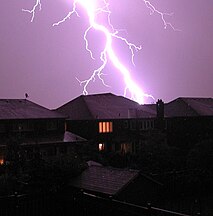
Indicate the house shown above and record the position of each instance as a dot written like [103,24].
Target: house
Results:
[114,123]
[189,121]
[30,121]
[34,127]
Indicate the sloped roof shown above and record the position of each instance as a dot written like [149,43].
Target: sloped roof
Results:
[105,180]
[110,106]
[71,137]
[98,106]
[147,111]
[25,109]
[183,106]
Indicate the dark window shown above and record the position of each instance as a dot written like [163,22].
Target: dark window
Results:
[51,125]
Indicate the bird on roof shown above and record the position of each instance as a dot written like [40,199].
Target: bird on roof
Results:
[26,95]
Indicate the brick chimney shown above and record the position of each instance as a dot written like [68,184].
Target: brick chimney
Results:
[160,109]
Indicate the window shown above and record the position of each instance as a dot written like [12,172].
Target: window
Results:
[51,125]
[133,125]
[101,147]
[1,159]
[105,127]
[2,128]
[23,126]
[126,125]
[152,124]
[126,148]
[141,125]
[147,124]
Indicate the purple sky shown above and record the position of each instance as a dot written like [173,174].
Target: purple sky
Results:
[43,60]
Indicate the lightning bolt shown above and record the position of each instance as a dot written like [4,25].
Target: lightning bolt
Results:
[93,8]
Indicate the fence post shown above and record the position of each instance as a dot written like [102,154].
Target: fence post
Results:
[149,208]
[16,203]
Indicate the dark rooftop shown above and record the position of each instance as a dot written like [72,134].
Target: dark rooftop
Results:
[105,180]
[102,106]
[110,106]
[183,106]
[25,109]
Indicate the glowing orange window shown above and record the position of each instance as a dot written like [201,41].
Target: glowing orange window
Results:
[105,127]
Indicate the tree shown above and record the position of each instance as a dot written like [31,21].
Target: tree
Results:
[201,156]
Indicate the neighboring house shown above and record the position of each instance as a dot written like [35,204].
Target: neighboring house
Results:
[114,123]
[189,121]
[29,121]
[35,127]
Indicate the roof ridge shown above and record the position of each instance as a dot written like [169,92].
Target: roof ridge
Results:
[195,111]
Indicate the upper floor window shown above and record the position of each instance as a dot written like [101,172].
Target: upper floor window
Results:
[105,127]
[51,125]
[133,125]
[126,124]
[2,128]
[146,124]
[23,126]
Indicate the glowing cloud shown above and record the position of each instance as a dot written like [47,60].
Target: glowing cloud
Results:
[93,8]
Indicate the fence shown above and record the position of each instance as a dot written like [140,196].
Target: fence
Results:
[82,204]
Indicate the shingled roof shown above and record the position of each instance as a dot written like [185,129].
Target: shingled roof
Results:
[110,106]
[147,111]
[25,109]
[183,106]
[105,180]
[98,106]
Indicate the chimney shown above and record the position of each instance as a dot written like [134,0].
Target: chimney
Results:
[160,109]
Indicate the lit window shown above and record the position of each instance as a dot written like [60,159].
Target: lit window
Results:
[105,127]
[1,160]
[110,126]
[101,147]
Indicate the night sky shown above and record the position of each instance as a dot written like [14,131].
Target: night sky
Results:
[44,61]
